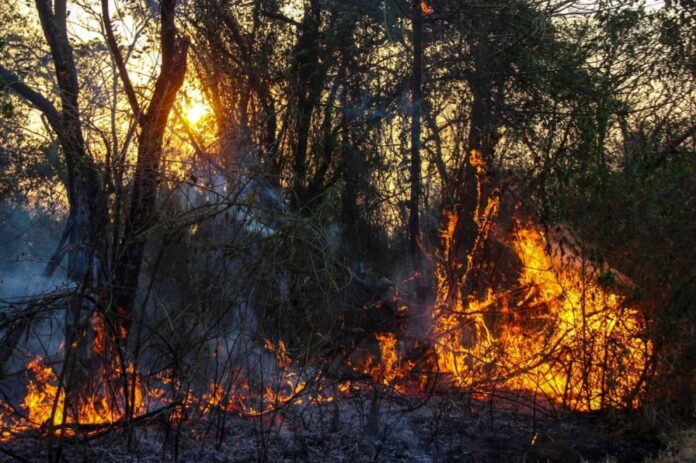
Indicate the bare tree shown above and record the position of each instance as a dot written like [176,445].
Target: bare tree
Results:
[152,123]
[82,240]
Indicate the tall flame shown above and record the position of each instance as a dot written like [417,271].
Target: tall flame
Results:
[555,332]
[558,333]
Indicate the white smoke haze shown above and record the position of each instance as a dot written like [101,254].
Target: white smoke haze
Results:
[28,237]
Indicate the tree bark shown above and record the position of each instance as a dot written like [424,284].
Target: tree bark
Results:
[141,218]
[309,83]
[415,170]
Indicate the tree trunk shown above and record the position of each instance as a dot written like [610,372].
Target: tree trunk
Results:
[82,240]
[309,83]
[83,182]
[146,178]
[415,171]
[473,205]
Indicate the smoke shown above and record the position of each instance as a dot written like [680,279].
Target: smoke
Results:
[29,236]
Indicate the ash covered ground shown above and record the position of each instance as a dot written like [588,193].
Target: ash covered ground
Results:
[363,428]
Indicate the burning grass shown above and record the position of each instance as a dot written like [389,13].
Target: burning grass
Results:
[557,333]
[553,335]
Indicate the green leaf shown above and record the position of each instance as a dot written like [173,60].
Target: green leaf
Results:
[7,110]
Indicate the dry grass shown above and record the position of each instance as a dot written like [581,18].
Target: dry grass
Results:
[681,448]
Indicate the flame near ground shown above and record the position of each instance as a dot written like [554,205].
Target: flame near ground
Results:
[556,334]
[565,338]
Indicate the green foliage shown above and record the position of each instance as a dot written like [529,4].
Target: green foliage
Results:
[7,110]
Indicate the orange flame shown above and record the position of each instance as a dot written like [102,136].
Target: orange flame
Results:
[45,399]
[556,332]
[565,337]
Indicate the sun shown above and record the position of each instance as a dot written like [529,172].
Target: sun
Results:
[194,105]
[195,111]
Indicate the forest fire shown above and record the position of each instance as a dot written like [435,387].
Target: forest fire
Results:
[346,231]
[557,333]
[386,369]
[100,400]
